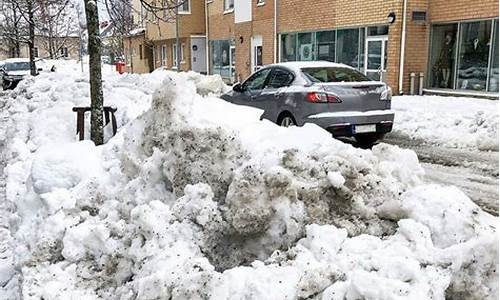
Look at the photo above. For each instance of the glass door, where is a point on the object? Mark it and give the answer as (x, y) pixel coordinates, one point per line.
(376, 58)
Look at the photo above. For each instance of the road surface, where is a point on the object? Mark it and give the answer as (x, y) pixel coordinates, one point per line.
(474, 172)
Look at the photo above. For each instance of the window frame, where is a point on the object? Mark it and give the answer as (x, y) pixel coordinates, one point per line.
(182, 11)
(264, 84)
(274, 69)
(227, 8)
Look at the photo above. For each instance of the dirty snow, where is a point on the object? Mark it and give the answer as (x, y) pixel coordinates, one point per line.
(195, 198)
(455, 122)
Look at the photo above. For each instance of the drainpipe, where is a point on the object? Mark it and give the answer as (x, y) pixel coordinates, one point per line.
(275, 39)
(207, 50)
(403, 45)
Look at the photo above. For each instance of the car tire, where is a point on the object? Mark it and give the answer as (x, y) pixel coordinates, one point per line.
(368, 139)
(286, 120)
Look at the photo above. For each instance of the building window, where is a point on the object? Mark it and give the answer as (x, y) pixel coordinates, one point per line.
(305, 47)
(348, 47)
(222, 59)
(35, 51)
(183, 49)
(163, 55)
(493, 82)
(185, 7)
(63, 52)
(174, 55)
(325, 45)
(442, 55)
(228, 5)
(288, 47)
(475, 39)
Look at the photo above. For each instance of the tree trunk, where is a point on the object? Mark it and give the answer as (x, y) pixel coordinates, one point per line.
(94, 50)
(31, 42)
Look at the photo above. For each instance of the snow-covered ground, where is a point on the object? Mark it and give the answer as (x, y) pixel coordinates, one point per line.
(455, 122)
(195, 198)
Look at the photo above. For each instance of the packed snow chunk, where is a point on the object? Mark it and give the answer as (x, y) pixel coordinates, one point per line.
(87, 238)
(64, 166)
(457, 122)
(450, 215)
(336, 179)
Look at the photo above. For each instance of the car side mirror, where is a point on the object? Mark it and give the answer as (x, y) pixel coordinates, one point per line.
(238, 87)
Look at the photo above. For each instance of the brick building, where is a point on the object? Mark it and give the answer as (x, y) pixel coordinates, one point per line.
(453, 45)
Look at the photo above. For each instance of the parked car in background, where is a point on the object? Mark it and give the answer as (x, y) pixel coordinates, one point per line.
(334, 96)
(13, 71)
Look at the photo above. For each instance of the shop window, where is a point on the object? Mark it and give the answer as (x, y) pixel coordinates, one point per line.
(361, 55)
(288, 45)
(325, 45)
(493, 84)
(348, 47)
(305, 46)
(164, 55)
(473, 55)
(442, 55)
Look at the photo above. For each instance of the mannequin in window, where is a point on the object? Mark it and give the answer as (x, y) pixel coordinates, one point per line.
(445, 60)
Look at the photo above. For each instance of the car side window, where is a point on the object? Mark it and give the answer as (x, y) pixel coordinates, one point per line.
(280, 78)
(257, 80)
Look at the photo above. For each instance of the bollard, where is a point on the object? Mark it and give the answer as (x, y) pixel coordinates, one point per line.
(421, 84)
(412, 83)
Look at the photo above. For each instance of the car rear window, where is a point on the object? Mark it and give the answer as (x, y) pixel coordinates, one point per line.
(333, 74)
(17, 66)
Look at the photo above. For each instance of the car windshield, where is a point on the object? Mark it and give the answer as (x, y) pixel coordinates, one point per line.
(333, 74)
(17, 66)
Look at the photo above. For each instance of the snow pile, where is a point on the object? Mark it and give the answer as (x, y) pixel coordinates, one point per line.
(196, 198)
(456, 122)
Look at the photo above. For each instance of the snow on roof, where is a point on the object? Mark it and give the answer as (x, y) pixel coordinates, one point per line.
(137, 31)
(16, 60)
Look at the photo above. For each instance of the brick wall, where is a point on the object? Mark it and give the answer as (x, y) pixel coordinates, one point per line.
(185, 65)
(131, 49)
(446, 10)
(189, 24)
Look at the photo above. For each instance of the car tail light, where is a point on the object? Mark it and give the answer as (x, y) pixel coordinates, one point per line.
(386, 94)
(319, 97)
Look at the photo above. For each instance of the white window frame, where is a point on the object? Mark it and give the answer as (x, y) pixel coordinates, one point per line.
(227, 8)
(163, 55)
(174, 55)
(183, 48)
(181, 11)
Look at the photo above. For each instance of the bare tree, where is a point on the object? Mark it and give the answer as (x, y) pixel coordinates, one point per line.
(29, 12)
(13, 28)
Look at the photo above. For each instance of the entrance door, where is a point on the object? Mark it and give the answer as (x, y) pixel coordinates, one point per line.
(256, 53)
(376, 58)
(198, 55)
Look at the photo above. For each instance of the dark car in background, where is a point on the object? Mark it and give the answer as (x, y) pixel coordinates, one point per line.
(334, 96)
(13, 71)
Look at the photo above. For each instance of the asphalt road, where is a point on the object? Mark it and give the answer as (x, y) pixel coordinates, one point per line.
(474, 172)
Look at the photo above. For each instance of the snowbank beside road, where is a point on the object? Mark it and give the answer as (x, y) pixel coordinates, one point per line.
(195, 198)
(456, 122)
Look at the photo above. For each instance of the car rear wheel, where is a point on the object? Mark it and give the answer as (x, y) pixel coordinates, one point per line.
(286, 121)
(368, 139)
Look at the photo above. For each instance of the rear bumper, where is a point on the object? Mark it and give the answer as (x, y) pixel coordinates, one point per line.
(344, 123)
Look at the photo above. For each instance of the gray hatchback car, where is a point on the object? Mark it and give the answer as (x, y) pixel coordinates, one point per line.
(334, 96)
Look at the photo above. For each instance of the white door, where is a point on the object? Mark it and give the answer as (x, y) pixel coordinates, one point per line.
(376, 58)
(198, 55)
(256, 52)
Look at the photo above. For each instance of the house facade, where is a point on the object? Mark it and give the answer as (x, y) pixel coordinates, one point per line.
(449, 46)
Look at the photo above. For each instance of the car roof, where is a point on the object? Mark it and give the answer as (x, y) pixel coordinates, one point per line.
(17, 60)
(297, 65)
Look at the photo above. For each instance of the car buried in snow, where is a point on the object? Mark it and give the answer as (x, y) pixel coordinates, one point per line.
(333, 96)
(13, 71)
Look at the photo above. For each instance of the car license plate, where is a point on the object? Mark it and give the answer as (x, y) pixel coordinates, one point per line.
(365, 128)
